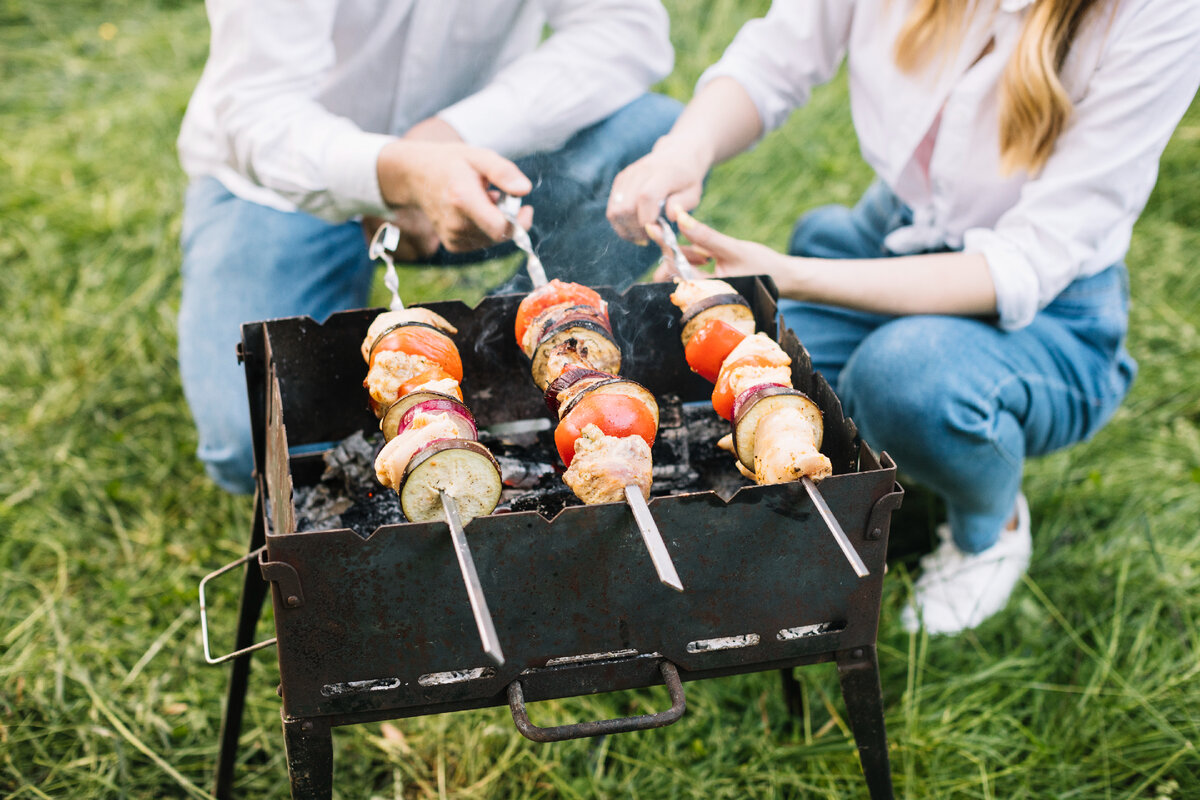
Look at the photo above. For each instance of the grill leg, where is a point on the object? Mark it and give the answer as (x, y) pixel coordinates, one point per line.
(254, 590)
(793, 696)
(858, 670)
(310, 758)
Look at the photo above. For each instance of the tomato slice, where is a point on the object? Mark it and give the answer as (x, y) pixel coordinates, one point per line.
(615, 414)
(709, 347)
(552, 294)
(722, 396)
(418, 340)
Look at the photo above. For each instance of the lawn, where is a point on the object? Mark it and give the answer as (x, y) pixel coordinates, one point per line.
(1086, 686)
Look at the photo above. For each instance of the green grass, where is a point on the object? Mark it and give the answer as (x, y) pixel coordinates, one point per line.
(1087, 686)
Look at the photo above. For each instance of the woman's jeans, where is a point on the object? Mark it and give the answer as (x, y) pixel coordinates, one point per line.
(244, 262)
(956, 401)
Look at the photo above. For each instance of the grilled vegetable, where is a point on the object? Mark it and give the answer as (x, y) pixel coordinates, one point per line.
(419, 339)
(708, 348)
(559, 317)
(610, 384)
(614, 414)
(602, 352)
(569, 382)
(461, 468)
(457, 412)
(731, 308)
(761, 401)
(554, 293)
(411, 314)
(390, 423)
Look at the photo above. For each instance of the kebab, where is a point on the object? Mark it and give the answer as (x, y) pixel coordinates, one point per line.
(777, 429)
(606, 423)
(432, 457)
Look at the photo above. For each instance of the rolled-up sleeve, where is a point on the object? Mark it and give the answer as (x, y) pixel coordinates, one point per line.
(269, 59)
(601, 55)
(1076, 217)
(779, 58)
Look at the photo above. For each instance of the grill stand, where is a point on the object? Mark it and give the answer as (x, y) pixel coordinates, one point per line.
(294, 372)
(309, 741)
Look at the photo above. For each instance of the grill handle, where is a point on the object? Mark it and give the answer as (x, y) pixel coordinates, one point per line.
(580, 730)
(204, 612)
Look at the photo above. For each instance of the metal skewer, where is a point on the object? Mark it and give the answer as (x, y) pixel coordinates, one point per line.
(479, 607)
(683, 268)
(383, 244)
(835, 528)
(653, 539)
(685, 271)
(509, 205)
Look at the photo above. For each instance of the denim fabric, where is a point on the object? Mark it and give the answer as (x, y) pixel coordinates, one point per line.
(956, 401)
(244, 262)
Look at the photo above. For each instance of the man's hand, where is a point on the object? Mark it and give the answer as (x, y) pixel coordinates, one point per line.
(431, 173)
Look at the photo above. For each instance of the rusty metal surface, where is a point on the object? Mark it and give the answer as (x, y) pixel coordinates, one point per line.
(385, 629)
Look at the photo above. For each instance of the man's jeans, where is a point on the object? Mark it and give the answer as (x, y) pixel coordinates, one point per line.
(957, 402)
(244, 262)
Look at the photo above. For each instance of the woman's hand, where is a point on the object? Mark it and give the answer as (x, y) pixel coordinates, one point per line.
(733, 256)
(674, 170)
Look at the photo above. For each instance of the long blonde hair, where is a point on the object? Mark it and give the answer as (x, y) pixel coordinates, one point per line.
(1034, 106)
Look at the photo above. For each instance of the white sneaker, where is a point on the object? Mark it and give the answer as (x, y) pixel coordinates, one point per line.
(957, 591)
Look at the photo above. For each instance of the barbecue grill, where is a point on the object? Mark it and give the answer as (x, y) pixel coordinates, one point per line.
(375, 624)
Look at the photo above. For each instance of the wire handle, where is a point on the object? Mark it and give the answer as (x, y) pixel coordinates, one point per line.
(204, 612)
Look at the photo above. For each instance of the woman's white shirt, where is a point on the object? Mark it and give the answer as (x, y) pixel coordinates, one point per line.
(299, 96)
(1131, 75)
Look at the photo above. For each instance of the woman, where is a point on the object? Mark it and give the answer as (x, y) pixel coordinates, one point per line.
(978, 315)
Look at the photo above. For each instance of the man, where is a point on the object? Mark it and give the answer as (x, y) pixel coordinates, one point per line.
(312, 115)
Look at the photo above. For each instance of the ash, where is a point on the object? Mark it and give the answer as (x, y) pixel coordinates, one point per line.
(348, 494)
(686, 459)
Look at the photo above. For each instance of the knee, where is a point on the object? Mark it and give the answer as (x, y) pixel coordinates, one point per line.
(905, 397)
(824, 232)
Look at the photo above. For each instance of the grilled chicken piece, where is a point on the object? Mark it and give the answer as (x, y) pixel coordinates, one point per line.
(389, 318)
(393, 369)
(762, 346)
(604, 465)
(688, 293)
(786, 449)
(395, 455)
(747, 377)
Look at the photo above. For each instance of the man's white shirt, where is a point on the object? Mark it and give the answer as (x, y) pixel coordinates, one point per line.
(299, 96)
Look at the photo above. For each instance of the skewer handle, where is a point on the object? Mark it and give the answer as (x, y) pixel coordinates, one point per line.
(383, 244)
(835, 528)
(509, 206)
(653, 539)
(683, 268)
(479, 607)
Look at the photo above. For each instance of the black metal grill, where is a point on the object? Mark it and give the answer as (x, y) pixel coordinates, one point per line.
(378, 627)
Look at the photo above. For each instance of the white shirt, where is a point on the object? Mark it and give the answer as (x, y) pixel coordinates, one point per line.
(1131, 75)
(299, 96)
